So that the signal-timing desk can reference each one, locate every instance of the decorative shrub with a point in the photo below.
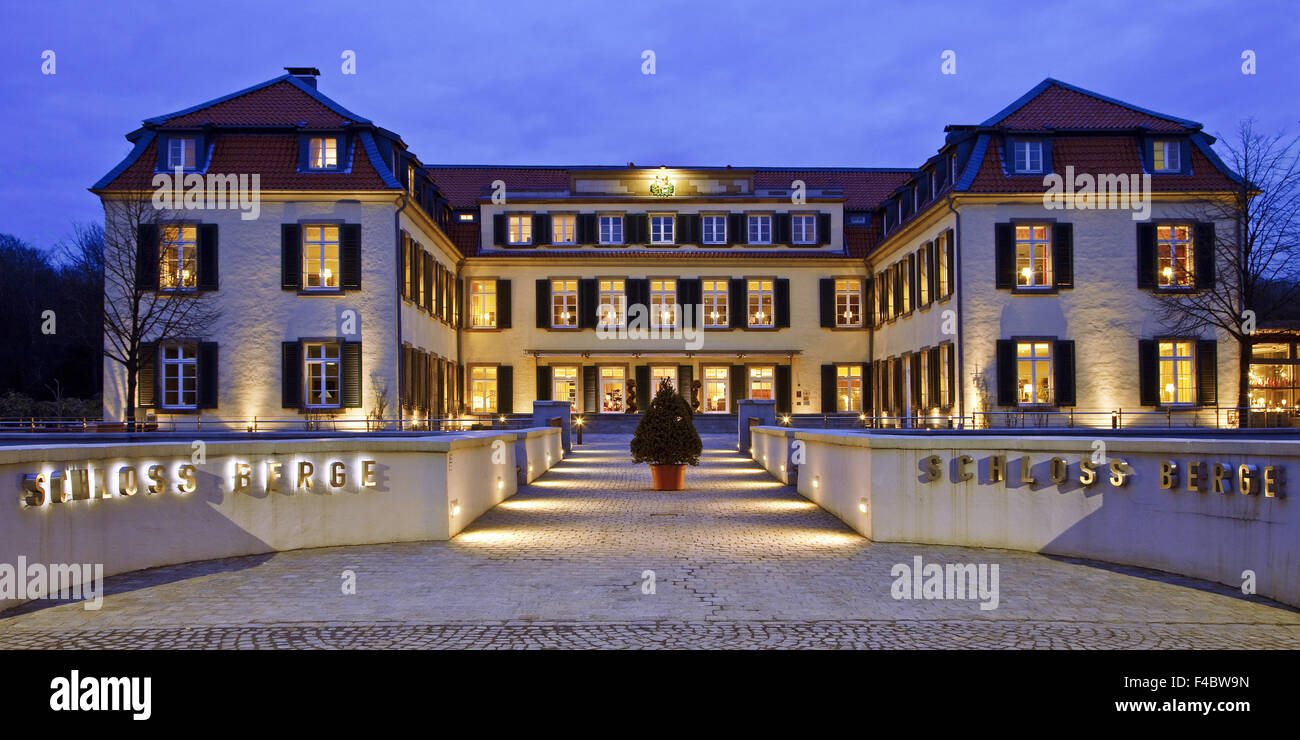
(666, 433)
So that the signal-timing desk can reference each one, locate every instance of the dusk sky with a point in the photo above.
(850, 84)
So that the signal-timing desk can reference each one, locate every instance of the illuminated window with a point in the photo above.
(611, 229)
(660, 374)
(564, 385)
(760, 229)
(663, 300)
(179, 258)
(1034, 372)
(905, 285)
(180, 153)
(1174, 265)
(323, 371)
(1033, 256)
(612, 308)
(1273, 377)
(714, 229)
(885, 283)
(520, 228)
(564, 303)
(464, 217)
(944, 393)
(926, 392)
(923, 296)
(848, 302)
(483, 304)
(803, 229)
(944, 281)
(322, 152)
(715, 303)
(483, 389)
(761, 303)
(761, 383)
(1177, 381)
(1167, 156)
(564, 228)
(661, 229)
(848, 388)
(320, 257)
(1029, 156)
(716, 390)
(179, 376)
(613, 389)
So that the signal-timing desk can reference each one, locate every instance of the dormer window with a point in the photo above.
(322, 153)
(1166, 156)
(1028, 156)
(180, 152)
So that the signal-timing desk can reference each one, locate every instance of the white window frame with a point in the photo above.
(327, 267)
(564, 298)
(766, 302)
(708, 401)
(663, 298)
(519, 229)
(803, 228)
(179, 366)
(564, 228)
(663, 228)
(719, 230)
(1170, 156)
(715, 301)
(1037, 373)
(329, 364)
(611, 380)
(848, 379)
(189, 154)
(923, 297)
(483, 303)
(763, 233)
(1039, 252)
(1029, 150)
(848, 298)
(562, 375)
(1176, 362)
(611, 299)
(322, 153)
(943, 280)
(483, 387)
(1168, 258)
(758, 376)
(658, 373)
(179, 273)
(614, 224)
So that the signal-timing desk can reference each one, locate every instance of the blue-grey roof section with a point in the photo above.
(372, 151)
(973, 164)
(1040, 87)
(292, 80)
(141, 144)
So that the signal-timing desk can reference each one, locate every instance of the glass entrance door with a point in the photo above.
(613, 389)
(717, 392)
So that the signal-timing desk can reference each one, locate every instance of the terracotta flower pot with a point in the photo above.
(668, 477)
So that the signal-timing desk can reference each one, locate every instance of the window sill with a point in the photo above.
(1044, 290)
(321, 292)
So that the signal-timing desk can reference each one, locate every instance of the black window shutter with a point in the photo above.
(781, 383)
(541, 229)
(290, 258)
(738, 385)
(781, 296)
(430, 268)
(291, 375)
(146, 377)
(503, 304)
(690, 292)
(896, 383)
(543, 304)
(738, 304)
(643, 390)
(828, 389)
(950, 246)
(933, 381)
(1004, 251)
(587, 303)
(685, 379)
(404, 269)
(207, 362)
(544, 383)
(826, 301)
(208, 262)
(412, 290)
(1148, 373)
(932, 274)
(146, 257)
(914, 360)
(898, 288)
(951, 395)
(823, 228)
(350, 255)
(499, 229)
(589, 377)
(869, 301)
(1063, 254)
(635, 228)
(404, 377)
(1146, 257)
(586, 228)
(910, 277)
(352, 375)
(1063, 372)
(505, 389)
(1006, 356)
(781, 228)
(1207, 372)
(458, 305)
(868, 397)
(737, 229)
(1204, 251)
(688, 228)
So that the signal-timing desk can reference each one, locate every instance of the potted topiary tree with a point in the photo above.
(666, 438)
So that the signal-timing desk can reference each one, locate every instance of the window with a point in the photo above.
(179, 269)
(483, 389)
(848, 388)
(1029, 156)
(848, 302)
(564, 303)
(322, 153)
(1033, 256)
(761, 383)
(714, 229)
(1034, 372)
(320, 257)
(715, 303)
(760, 229)
(611, 229)
(483, 304)
(1174, 265)
(1273, 384)
(323, 372)
(465, 217)
(179, 376)
(661, 373)
(945, 269)
(923, 296)
(613, 389)
(564, 228)
(760, 303)
(520, 228)
(926, 393)
(661, 229)
(1166, 156)
(803, 229)
(905, 285)
(564, 385)
(944, 393)
(180, 153)
(612, 308)
(663, 298)
(1177, 380)
(885, 287)
(716, 390)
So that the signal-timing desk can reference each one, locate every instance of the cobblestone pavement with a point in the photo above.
(736, 561)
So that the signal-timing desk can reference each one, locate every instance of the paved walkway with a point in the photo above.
(736, 561)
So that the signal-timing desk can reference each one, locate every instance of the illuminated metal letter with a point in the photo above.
(338, 475)
(961, 473)
(368, 473)
(1118, 473)
(1087, 472)
(157, 474)
(127, 485)
(1168, 475)
(34, 489)
(243, 477)
(1059, 469)
(997, 468)
(1220, 485)
(273, 475)
(188, 483)
(305, 469)
(1246, 479)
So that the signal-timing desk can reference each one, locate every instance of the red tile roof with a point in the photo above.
(1060, 107)
(280, 103)
(463, 186)
(1097, 155)
(863, 189)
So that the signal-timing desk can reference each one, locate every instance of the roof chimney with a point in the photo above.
(304, 74)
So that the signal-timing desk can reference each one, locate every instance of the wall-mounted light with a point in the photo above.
(455, 507)
(817, 481)
(501, 484)
(862, 505)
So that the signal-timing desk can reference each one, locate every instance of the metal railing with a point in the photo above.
(256, 424)
(1205, 417)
